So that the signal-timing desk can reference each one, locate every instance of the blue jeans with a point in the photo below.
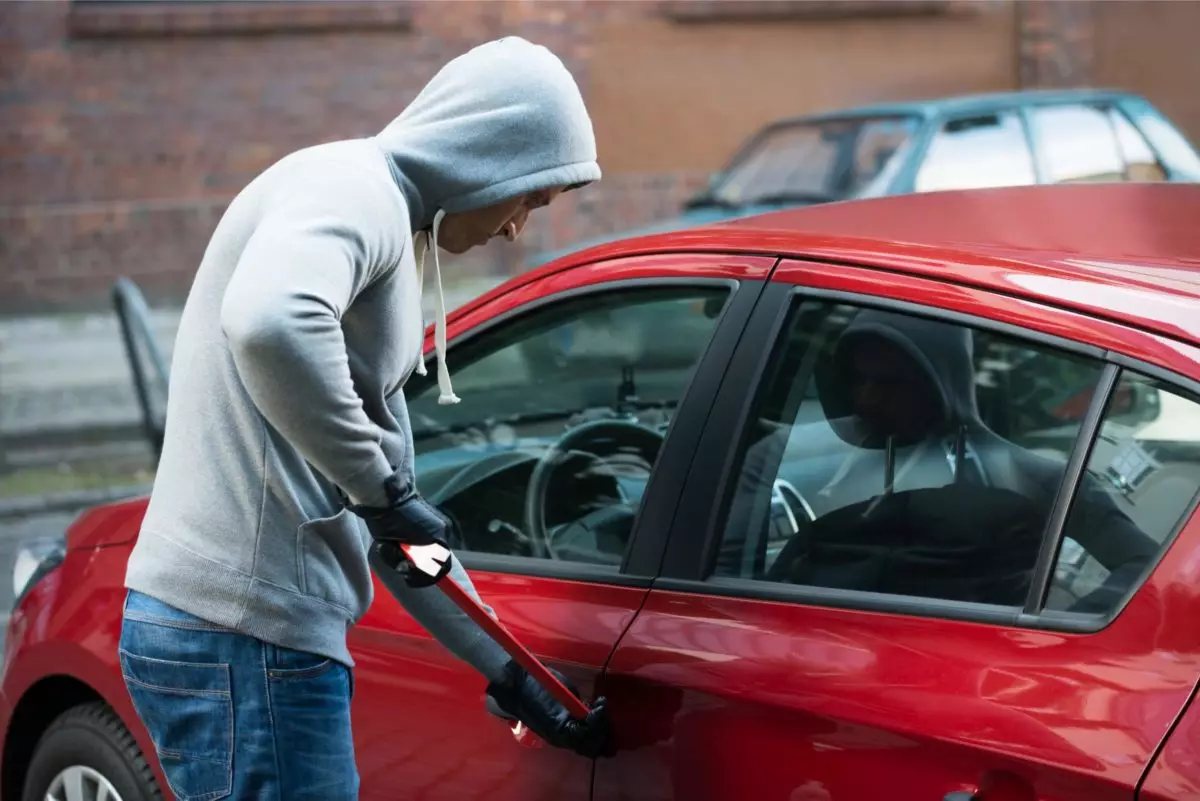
(233, 717)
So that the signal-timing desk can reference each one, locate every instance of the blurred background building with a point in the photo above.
(126, 127)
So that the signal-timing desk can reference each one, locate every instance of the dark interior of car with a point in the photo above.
(972, 536)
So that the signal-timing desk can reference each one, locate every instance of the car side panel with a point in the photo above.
(718, 697)
(69, 625)
(715, 696)
(415, 705)
(1175, 773)
(419, 713)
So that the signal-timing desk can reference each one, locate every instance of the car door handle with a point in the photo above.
(960, 795)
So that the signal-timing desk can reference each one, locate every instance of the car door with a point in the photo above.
(570, 386)
(869, 593)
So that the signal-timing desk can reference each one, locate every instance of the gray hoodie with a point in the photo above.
(301, 327)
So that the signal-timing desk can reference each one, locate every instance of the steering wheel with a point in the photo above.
(797, 507)
(596, 441)
(800, 519)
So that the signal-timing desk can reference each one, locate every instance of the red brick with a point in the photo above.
(1056, 43)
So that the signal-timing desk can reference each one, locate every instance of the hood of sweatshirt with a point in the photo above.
(500, 120)
(942, 353)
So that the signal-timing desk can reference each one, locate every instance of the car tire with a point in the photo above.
(91, 738)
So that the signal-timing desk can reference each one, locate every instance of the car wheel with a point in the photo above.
(87, 754)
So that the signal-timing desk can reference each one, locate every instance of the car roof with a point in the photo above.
(1128, 252)
(975, 103)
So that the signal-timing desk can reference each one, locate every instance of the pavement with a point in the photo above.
(66, 374)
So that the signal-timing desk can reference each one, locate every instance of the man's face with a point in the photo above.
(464, 230)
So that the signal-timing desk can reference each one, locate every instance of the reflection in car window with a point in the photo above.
(976, 152)
(925, 466)
(1145, 466)
(1077, 143)
(563, 413)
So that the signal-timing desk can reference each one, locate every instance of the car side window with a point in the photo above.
(925, 464)
(984, 150)
(563, 412)
(1140, 162)
(1077, 143)
(1174, 148)
(1144, 477)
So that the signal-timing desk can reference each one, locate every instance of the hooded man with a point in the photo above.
(287, 429)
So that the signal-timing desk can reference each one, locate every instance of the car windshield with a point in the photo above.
(824, 160)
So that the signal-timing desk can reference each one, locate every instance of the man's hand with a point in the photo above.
(520, 697)
(407, 519)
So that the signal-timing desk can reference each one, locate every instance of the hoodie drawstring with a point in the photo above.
(421, 241)
(429, 242)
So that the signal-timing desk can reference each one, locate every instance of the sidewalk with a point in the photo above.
(69, 373)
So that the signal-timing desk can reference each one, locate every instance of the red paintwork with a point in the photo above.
(69, 625)
(512, 645)
(860, 705)
(1181, 357)
(815, 703)
(1140, 265)
(554, 279)
(107, 524)
(413, 701)
(1176, 772)
(723, 698)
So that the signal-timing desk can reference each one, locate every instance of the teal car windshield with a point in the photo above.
(817, 161)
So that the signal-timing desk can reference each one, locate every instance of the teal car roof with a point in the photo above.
(961, 104)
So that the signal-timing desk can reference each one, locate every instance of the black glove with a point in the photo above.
(407, 519)
(520, 697)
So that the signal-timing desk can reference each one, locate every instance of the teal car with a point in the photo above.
(960, 142)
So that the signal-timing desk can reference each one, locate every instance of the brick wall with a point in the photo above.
(1057, 43)
(125, 128)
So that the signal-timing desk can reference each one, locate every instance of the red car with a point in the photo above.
(890, 498)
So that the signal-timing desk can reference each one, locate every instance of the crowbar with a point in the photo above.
(431, 560)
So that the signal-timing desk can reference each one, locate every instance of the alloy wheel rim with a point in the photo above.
(81, 783)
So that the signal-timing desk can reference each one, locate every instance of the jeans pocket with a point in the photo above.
(187, 709)
(310, 701)
(288, 663)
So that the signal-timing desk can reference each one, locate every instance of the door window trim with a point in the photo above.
(639, 565)
(688, 569)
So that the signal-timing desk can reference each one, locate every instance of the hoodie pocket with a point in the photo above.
(332, 562)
